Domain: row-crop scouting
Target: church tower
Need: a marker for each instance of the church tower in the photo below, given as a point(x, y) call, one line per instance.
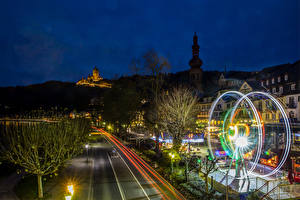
point(196, 63)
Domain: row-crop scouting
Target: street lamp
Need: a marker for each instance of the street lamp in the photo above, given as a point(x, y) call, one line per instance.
point(70, 192)
point(87, 152)
point(70, 189)
point(69, 197)
point(172, 157)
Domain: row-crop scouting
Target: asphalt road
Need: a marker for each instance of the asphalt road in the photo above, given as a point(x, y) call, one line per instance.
point(112, 178)
point(100, 174)
point(150, 185)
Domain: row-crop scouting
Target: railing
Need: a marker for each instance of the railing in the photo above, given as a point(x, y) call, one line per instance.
point(262, 188)
point(283, 191)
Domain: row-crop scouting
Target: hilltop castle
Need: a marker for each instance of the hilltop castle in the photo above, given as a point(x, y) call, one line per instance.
point(94, 80)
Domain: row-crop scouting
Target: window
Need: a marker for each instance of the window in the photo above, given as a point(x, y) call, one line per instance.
point(273, 80)
point(267, 82)
point(273, 90)
point(286, 77)
point(262, 83)
point(291, 100)
point(280, 89)
point(298, 98)
point(278, 79)
point(293, 86)
point(292, 114)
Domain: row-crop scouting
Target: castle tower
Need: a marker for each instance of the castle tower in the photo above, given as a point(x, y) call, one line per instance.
point(196, 63)
point(96, 75)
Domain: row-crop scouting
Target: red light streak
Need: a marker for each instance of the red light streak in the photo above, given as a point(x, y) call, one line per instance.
point(140, 169)
point(141, 161)
point(152, 171)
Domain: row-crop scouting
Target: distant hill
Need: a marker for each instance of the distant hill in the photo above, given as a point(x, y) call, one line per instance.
point(48, 94)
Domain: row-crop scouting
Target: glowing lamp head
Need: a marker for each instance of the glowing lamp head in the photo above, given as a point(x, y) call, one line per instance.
point(68, 197)
point(70, 189)
point(241, 141)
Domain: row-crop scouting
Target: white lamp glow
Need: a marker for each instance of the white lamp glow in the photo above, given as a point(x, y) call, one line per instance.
point(241, 141)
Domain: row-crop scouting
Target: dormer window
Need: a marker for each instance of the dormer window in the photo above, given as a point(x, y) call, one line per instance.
point(274, 90)
point(278, 79)
point(267, 83)
point(286, 77)
point(273, 80)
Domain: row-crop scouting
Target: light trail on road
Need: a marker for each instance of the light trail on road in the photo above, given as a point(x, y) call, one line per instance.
point(139, 168)
point(138, 163)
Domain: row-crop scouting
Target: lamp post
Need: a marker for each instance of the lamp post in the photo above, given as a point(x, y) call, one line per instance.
point(172, 157)
point(87, 152)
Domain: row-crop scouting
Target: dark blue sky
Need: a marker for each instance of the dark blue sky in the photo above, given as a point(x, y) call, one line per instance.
point(63, 40)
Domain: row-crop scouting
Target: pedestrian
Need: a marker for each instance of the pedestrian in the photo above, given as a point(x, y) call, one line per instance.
point(291, 177)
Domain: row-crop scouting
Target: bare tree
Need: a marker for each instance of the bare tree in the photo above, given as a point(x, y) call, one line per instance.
point(156, 66)
point(42, 148)
point(206, 167)
point(177, 113)
point(134, 66)
point(190, 164)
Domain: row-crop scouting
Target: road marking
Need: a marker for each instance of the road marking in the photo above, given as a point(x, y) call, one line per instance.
point(118, 183)
point(130, 171)
point(134, 177)
point(90, 194)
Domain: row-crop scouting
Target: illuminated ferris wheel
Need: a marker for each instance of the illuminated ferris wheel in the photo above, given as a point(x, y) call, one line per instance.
point(252, 124)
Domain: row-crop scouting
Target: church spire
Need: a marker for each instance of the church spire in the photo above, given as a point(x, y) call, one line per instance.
point(195, 46)
point(195, 62)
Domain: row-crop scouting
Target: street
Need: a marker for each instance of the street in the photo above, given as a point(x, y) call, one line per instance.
point(101, 174)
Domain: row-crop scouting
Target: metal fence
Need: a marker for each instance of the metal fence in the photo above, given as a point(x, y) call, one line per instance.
point(284, 191)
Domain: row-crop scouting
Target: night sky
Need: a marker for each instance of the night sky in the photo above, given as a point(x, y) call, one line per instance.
point(62, 40)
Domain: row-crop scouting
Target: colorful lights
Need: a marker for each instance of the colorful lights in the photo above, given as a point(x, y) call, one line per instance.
point(242, 132)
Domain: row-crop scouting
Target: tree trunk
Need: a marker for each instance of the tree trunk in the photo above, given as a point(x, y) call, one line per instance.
point(206, 183)
point(40, 186)
point(186, 171)
point(157, 142)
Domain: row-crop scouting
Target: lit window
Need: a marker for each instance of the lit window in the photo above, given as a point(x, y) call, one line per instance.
point(280, 89)
point(293, 87)
point(286, 77)
point(292, 114)
point(267, 83)
point(262, 83)
point(278, 79)
point(291, 100)
point(273, 80)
